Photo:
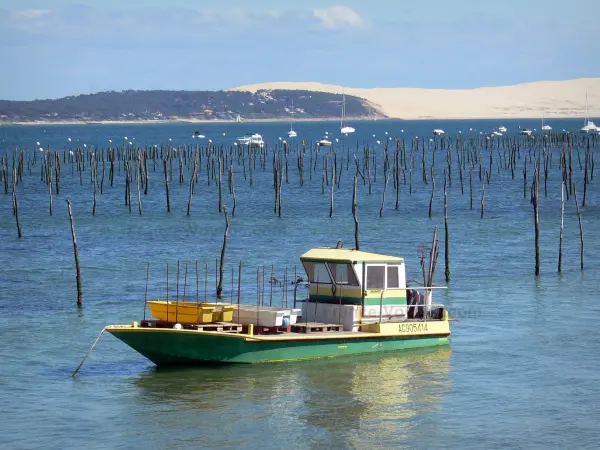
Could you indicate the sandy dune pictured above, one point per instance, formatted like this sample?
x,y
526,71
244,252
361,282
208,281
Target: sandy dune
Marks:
x,y
527,100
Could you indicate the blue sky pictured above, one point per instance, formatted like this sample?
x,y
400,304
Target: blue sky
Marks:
x,y
55,48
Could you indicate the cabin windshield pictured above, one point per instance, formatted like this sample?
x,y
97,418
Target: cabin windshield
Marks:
x,y
317,272
343,274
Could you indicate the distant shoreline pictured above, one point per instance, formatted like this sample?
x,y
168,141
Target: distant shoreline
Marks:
x,y
286,120
190,121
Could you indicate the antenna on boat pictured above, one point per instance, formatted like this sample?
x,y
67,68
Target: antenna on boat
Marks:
x,y
146,295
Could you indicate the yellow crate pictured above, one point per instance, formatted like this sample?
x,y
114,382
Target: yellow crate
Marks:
x,y
221,312
182,312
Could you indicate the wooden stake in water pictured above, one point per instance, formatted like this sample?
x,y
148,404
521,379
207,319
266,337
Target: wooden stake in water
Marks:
x,y
76,254
15,204
432,194
332,189
355,214
50,185
446,232
166,167
580,224
220,286
536,223
562,224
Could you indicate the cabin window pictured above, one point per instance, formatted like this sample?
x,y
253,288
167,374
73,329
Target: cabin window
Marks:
x,y
393,279
317,272
375,277
343,274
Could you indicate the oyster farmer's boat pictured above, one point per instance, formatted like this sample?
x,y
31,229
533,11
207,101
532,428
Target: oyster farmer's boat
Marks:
x,y
252,140
358,302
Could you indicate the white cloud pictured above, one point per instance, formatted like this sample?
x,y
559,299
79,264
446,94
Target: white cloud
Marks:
x,y
339,16
27,14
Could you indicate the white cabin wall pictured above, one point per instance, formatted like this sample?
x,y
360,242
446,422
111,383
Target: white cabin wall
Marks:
x,y
390,312
402,275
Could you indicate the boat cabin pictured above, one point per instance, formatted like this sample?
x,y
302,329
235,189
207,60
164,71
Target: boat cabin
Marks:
x,y
355,285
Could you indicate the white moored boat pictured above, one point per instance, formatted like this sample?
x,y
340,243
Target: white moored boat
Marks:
x,y
588,125
345,129
292,133
545,127
324,142
251,139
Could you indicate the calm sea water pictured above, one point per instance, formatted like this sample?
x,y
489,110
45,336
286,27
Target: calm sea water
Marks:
x,y
521,371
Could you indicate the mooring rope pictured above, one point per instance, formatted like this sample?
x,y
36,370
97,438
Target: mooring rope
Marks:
x,y
88,353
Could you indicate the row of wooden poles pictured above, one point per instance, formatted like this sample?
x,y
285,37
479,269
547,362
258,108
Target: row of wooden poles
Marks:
x,y
458,153
396,163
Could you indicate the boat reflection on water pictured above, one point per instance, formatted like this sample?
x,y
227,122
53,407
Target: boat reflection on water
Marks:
x,y
346,401
372,398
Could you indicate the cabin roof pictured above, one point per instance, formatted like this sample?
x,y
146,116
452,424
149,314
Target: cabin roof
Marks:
x,y
346,255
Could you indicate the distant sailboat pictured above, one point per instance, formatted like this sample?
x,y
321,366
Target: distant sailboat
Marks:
x,y
545,127
345,129
588,125
292,133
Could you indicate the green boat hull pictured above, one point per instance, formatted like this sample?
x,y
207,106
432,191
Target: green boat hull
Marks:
x,y
181,348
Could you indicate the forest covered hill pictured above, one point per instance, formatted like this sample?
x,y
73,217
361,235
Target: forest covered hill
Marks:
x,y
133,105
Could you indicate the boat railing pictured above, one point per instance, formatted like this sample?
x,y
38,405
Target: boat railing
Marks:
x,y
296,289
381,304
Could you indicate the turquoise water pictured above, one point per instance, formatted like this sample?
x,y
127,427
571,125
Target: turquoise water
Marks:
x,y
521,371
